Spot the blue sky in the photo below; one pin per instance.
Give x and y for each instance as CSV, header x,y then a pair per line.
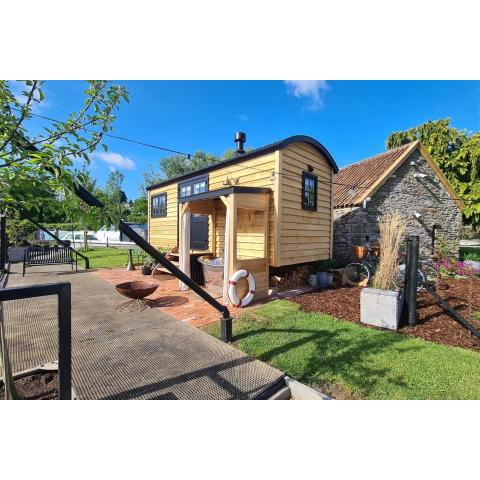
x,y
351,118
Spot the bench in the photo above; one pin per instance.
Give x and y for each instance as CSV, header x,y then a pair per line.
x,y
38,255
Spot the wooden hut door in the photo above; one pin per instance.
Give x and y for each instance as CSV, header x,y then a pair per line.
x,y
199,232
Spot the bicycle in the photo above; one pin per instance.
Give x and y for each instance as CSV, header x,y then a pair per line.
x,y
358,274
426,273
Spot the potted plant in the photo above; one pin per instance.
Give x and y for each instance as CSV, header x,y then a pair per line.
x,y
381,305
323,271
147,267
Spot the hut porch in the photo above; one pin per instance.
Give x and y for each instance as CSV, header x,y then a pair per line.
x,y
238,233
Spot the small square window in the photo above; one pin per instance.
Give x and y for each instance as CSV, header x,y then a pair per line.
x,y
193,187
309,191
199,187
159,205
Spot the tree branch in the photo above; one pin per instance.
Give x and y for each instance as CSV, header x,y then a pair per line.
x,y
25,109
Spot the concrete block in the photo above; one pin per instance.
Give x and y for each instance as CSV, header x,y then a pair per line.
x,y
381,308
300,391
283,394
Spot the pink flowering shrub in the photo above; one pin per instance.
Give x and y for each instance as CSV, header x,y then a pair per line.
x,y
449,267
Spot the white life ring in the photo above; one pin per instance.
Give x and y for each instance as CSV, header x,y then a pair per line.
x,y
232,293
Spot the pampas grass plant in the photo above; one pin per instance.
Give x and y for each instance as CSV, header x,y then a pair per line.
x,y
392,228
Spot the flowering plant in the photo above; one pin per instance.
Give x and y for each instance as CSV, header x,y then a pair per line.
x,y
449,267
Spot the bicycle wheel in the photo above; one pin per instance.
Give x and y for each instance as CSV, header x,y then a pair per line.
x,y
400,279
356,274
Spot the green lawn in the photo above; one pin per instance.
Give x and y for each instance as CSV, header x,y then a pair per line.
x,y
359,362
110,257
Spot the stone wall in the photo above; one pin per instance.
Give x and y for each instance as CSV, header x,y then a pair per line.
x,y
406,194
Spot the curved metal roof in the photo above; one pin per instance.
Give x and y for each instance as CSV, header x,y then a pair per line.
x,y
272,147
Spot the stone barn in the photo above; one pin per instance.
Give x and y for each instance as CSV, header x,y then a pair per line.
x,y
404,179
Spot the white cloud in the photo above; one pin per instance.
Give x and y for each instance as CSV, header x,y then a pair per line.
x,y
115,160
314,90
17,87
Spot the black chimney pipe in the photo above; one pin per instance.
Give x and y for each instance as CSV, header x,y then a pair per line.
x,y
240,139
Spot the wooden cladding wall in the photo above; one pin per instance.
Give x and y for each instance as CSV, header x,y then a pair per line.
x,y
162,232
295,235
256,172
305,235
250,234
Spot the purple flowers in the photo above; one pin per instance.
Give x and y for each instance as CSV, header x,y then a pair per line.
x,y
449,267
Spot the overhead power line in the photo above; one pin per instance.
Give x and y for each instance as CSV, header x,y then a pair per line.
x,y
157,147
165,149
189,155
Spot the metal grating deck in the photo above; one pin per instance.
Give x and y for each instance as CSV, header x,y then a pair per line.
x,y
118,355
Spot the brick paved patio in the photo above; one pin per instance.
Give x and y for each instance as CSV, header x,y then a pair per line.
x,y
185,306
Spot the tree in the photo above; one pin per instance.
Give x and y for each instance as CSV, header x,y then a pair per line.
x,y
75,210
177,165
457,153
30,165
116,198
150,177
138,211
33,164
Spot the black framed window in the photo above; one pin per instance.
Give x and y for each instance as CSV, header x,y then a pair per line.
x,y
193,187
309,191
158,207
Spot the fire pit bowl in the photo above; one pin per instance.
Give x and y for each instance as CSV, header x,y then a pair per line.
x,y
136,291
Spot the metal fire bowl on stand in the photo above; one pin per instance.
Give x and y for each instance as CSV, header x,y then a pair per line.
x,y
136,291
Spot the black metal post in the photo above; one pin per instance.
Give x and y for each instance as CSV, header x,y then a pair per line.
x,y
226,328
413,250
65,342
407,269
3,242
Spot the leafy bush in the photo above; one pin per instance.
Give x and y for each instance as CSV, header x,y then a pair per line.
x,y
472,256
445,250
19,232
468,233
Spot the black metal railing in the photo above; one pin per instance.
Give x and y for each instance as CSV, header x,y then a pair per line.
x,y
63,292
91,200
225,320
411,284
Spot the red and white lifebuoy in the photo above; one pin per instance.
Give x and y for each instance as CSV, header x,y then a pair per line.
x,y
232,293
